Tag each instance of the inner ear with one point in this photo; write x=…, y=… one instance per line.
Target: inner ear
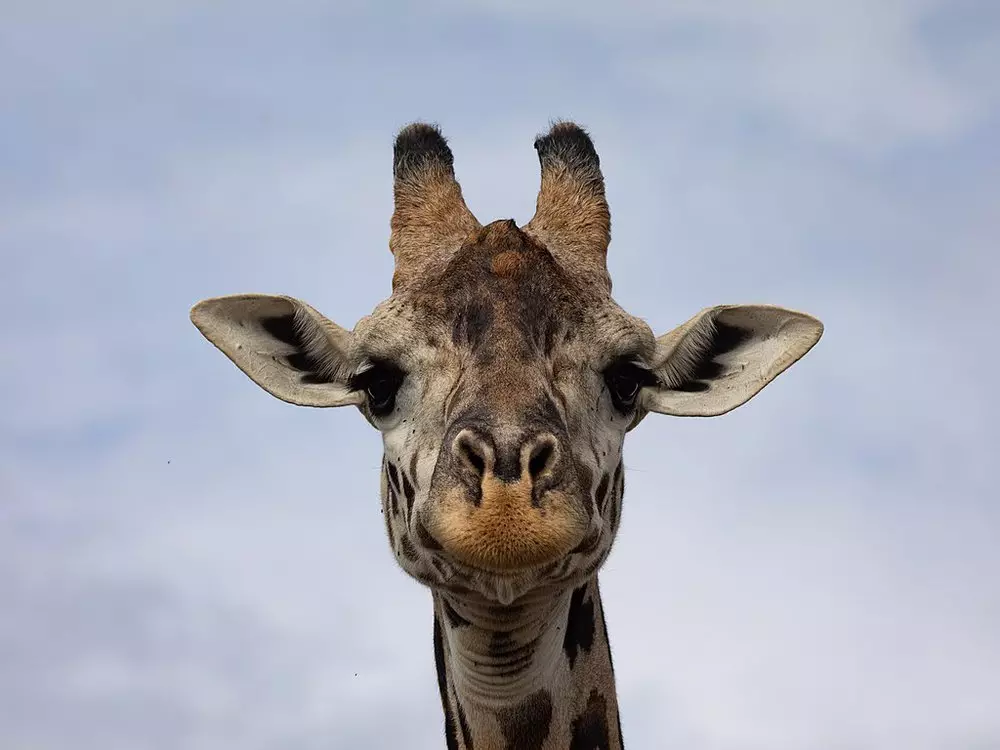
x=699, y=358
x=282, y=344
x=306, y=349
x=725, y=355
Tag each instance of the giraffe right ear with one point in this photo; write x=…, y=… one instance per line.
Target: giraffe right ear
x=724, y=356
x=283, y=345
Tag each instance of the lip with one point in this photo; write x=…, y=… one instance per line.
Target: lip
x=506, y=532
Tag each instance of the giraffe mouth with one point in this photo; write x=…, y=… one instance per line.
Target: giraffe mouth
x=507, y=532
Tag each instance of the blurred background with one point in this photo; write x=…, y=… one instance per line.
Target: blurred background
x=187, y=563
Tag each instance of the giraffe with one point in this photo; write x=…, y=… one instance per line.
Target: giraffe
x=503, y=378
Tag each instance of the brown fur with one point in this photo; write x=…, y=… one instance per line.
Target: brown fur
x=508, y=264
x=430, y=218
x=506, y=531
x=571, y=215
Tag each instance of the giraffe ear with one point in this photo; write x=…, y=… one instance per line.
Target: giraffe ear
x=724, y=356
x=283, y=345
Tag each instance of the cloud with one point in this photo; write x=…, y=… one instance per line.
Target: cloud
x=857, y=76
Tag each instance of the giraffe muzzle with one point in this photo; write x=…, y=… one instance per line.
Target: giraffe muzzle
x=508, y=515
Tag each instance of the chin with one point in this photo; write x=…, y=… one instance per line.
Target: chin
x=504, y=588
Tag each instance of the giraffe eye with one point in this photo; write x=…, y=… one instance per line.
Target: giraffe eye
x=380, y=383
x=624, y=380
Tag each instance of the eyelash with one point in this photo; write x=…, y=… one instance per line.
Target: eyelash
x=381, y=383
x=634, y=377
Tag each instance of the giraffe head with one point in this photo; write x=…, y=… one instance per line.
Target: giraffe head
x=501, y=373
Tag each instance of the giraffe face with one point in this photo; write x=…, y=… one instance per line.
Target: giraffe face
x=500, y=372
x=503, y=390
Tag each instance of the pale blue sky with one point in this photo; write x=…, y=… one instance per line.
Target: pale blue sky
x=187, y=563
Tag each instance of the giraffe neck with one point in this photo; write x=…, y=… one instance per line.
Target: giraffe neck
x=536, y=675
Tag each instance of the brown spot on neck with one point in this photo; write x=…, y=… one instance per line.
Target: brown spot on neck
x=590, y=728
x=527, y=725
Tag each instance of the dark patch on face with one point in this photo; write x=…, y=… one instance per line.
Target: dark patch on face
x=616, y=516
x=419, y=147
x=602, y=491
x=393, y=475
x=408, y=493
x=545, y=412
x=616, y=510
x=406, y=547
x=535, y=319
x=507, y=462
x=526, y=726
x=590, y=728
x=472, y=324
x=585, y=480
x=549, y=339
x=614, y=493
x=424, y=537
x=524, y=314
x=588, y=545
x=413, y=465
x=449, y=721
x=464, y=725
x=579, y=625
x=725, y=339
x=286, y=330
x=455, y=620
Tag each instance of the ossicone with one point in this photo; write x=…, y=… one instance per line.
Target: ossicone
x=571, y=216
x=430, y=218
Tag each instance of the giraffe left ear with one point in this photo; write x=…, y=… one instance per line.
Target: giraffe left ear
x=283, y=345
x=724, y=356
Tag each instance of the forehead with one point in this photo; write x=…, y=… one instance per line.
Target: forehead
x=502, y=294
x=503, y=291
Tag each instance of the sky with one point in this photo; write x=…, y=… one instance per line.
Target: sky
x=188, y=563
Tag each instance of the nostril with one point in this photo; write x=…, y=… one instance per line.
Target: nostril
x=474, y=459
x=542, y=457
x=471, y=452
x=539, y=459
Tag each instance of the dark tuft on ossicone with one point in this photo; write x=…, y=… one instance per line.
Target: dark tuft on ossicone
x=420, y=146
x=568, y=144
